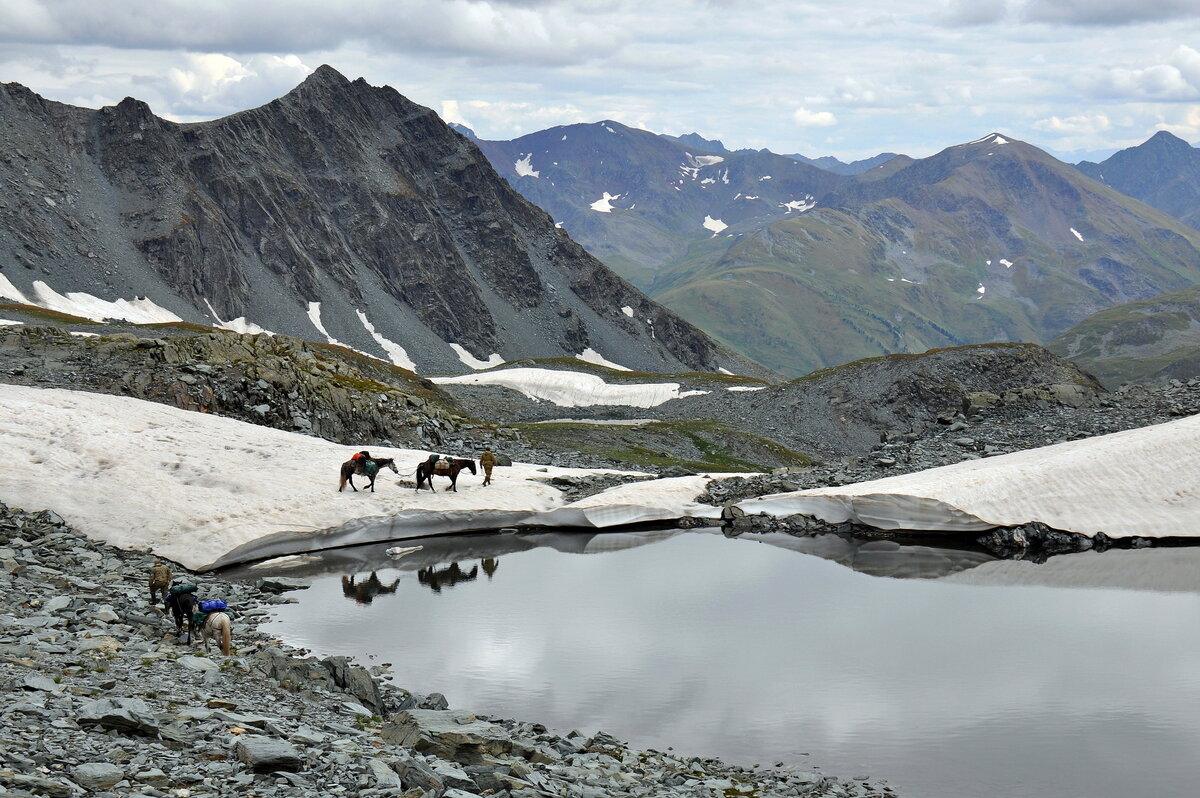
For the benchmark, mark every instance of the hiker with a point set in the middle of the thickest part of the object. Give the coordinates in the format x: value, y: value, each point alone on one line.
x: 488, y: 461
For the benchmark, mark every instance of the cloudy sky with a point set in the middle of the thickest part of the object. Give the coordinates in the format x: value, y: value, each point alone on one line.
x: 1076, y: 77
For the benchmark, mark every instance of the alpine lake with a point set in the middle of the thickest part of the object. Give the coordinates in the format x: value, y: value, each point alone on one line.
x: 944, y: 671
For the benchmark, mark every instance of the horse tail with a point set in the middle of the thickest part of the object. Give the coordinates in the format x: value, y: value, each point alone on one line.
x: 341, y: 479
x: 226, y: 636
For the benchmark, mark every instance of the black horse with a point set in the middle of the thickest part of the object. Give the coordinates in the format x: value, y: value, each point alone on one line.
x: 426, y: 471
x: 182, y: 607
x: 364, y: 468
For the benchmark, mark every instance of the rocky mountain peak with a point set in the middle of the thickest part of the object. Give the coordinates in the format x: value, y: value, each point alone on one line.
x: 342, y: 213
x: 1166, y: 139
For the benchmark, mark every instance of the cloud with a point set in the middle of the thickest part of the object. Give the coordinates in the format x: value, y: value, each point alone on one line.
x: 211, y: 84
x: 1179, y: 79
x: 513, y: 118
x: 957, y: 13
x: 1084, y: 124
x: 516, y: 32
x: 1109, y: 12
x: 807, y: 118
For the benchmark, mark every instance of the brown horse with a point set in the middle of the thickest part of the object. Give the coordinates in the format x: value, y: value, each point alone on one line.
x: 426, y: 472
x: 364, y: 468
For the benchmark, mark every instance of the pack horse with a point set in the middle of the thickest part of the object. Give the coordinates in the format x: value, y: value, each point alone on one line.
x: 364, y: 467
x: 426, y: 471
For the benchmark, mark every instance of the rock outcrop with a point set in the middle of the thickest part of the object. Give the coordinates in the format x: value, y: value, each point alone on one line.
x: 338, y: 193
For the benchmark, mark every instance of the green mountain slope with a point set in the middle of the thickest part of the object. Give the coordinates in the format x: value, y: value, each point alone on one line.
x: 1150, y: 340
x: 993, y: 240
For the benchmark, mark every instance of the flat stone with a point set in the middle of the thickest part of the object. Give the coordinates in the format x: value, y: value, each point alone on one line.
x: 123, y: 714
x: 97, y: 775
x: 267, y: 754
x: 35, y: 681
x: 37, y: 785
x: 198, y: 663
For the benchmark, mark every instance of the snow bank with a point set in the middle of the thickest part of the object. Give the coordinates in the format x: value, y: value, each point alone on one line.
x: 574, y: 388
x: 239, y: 325
x: 604, y: 204
x: 470, y: 360
x: 396, y: 353
x: 635, y: 503
x: 205, y: 491
x: 1138, y: 482
x: 78, y: 303
x: 590, y: 355
x: 524, y: 167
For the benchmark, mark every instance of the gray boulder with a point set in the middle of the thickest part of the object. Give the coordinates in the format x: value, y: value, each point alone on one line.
x: 457, y: 736
x: 268, y: 754
x: 97, y: 775
x: 122, y: 714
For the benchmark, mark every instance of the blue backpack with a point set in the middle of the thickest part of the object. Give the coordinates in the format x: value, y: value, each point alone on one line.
x: 212, y: 605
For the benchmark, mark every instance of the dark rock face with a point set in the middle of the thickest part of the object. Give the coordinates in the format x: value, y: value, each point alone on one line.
x: 1163, y: 171
x: 339, y: 193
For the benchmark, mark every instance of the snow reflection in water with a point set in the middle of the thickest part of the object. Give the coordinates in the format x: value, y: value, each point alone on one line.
x: 738, y: 649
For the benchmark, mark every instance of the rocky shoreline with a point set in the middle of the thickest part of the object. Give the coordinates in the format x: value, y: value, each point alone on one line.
x: 100, y: 698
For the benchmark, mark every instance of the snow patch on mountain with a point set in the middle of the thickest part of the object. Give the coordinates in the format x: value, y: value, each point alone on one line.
x: 77, y: 303
x: 737, y: 388
x: 716, y: 225
x: 524, y: 167
x: 573, y: 388
x: 800, y: 206
x: 239, y: 325
x: 590, y: 355
x: 314, y: 315
x: 1006, y: 263
x: 11, y: 292
x: 628, y: 311
x: 9, y: 323
x: 470, y: 360
x: 395, y: 352
x: 1076, y: 233
x: 604, y: 204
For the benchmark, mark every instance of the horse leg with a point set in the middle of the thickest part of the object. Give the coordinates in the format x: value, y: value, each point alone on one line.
x: 372, y: 484
x: 350, y: 479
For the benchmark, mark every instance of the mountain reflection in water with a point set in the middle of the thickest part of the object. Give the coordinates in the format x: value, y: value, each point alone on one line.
x: 947, y: 672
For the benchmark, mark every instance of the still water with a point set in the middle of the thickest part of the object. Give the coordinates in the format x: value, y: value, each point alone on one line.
x: 944, y: 672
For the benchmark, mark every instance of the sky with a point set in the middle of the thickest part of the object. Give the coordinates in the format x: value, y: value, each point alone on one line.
x: 1079, y: 78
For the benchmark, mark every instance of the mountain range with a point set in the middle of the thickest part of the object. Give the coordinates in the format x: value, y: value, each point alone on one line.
x: 340, y: 212
x: 344, y: 213
x: 642, y: 202
x: 801, y: 268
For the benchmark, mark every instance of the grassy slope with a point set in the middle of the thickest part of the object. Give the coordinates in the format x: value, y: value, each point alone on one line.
x: 1144, y: 340
x: 814, y: 291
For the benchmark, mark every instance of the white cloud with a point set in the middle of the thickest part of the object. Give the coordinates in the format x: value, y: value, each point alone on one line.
x: 972, y: 12
x: 1074, y: 125
x: 1108, y: 12
x: 899, y: 75
x: 209, y: 84
x: 807, y: 118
